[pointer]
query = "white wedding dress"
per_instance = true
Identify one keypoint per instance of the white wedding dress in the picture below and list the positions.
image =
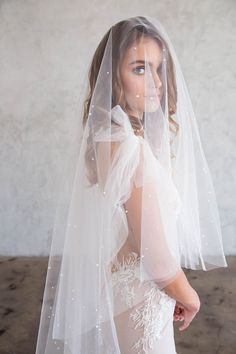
(132, 317)
(144, 323)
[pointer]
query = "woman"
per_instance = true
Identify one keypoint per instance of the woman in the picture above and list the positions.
(142, 206)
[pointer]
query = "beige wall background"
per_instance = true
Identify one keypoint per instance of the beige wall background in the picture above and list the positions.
(45, 50)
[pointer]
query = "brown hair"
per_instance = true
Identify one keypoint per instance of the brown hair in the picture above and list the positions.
(124, 34)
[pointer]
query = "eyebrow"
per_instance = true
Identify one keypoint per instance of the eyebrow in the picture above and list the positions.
(142, 62)
(139, 62)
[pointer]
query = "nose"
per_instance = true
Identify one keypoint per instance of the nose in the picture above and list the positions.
(157, 81)
(154, 81)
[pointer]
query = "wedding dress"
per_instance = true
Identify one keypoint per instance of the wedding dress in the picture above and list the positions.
(147, 324)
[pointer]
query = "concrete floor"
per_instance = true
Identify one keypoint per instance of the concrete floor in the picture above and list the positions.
(213, 330)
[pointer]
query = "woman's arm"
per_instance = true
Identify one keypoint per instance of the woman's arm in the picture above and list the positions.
(159, 260)
(145, 221)
(182, 291)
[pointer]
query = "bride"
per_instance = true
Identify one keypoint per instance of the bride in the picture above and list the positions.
(142, 206)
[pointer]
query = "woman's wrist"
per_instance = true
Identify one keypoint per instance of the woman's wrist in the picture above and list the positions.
(193, 303)
(182, 291)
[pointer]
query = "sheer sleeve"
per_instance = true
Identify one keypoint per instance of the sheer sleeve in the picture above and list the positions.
(131, 175)
(105, 159)
(151, 216)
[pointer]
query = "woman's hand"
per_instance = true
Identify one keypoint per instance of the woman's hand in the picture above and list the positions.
(187, 300)
(186, 313)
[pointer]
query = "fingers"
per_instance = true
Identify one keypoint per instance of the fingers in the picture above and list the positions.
(178, 312)
(181, 313)
(178, 309)
(184, 326)
(178, 317)
(187, 320)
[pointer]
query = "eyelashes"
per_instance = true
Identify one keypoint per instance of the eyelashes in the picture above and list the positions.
(136, 70)
(142, 68)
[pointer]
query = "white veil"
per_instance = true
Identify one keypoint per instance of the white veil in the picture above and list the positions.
(156, 154)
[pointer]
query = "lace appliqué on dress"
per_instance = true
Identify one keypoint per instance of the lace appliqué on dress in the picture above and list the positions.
(124, 276)
(150, 315)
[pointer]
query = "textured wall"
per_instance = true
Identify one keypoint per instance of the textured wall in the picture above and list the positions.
(45, 49)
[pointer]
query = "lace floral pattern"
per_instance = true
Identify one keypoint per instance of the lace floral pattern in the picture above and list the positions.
(150, 315)
(123, 278)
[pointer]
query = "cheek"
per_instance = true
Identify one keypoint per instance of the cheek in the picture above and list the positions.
(133, 85)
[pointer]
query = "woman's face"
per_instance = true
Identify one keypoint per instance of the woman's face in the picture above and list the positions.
(141, 83)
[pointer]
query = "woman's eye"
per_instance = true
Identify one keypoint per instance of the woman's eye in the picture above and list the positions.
(139, 70)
